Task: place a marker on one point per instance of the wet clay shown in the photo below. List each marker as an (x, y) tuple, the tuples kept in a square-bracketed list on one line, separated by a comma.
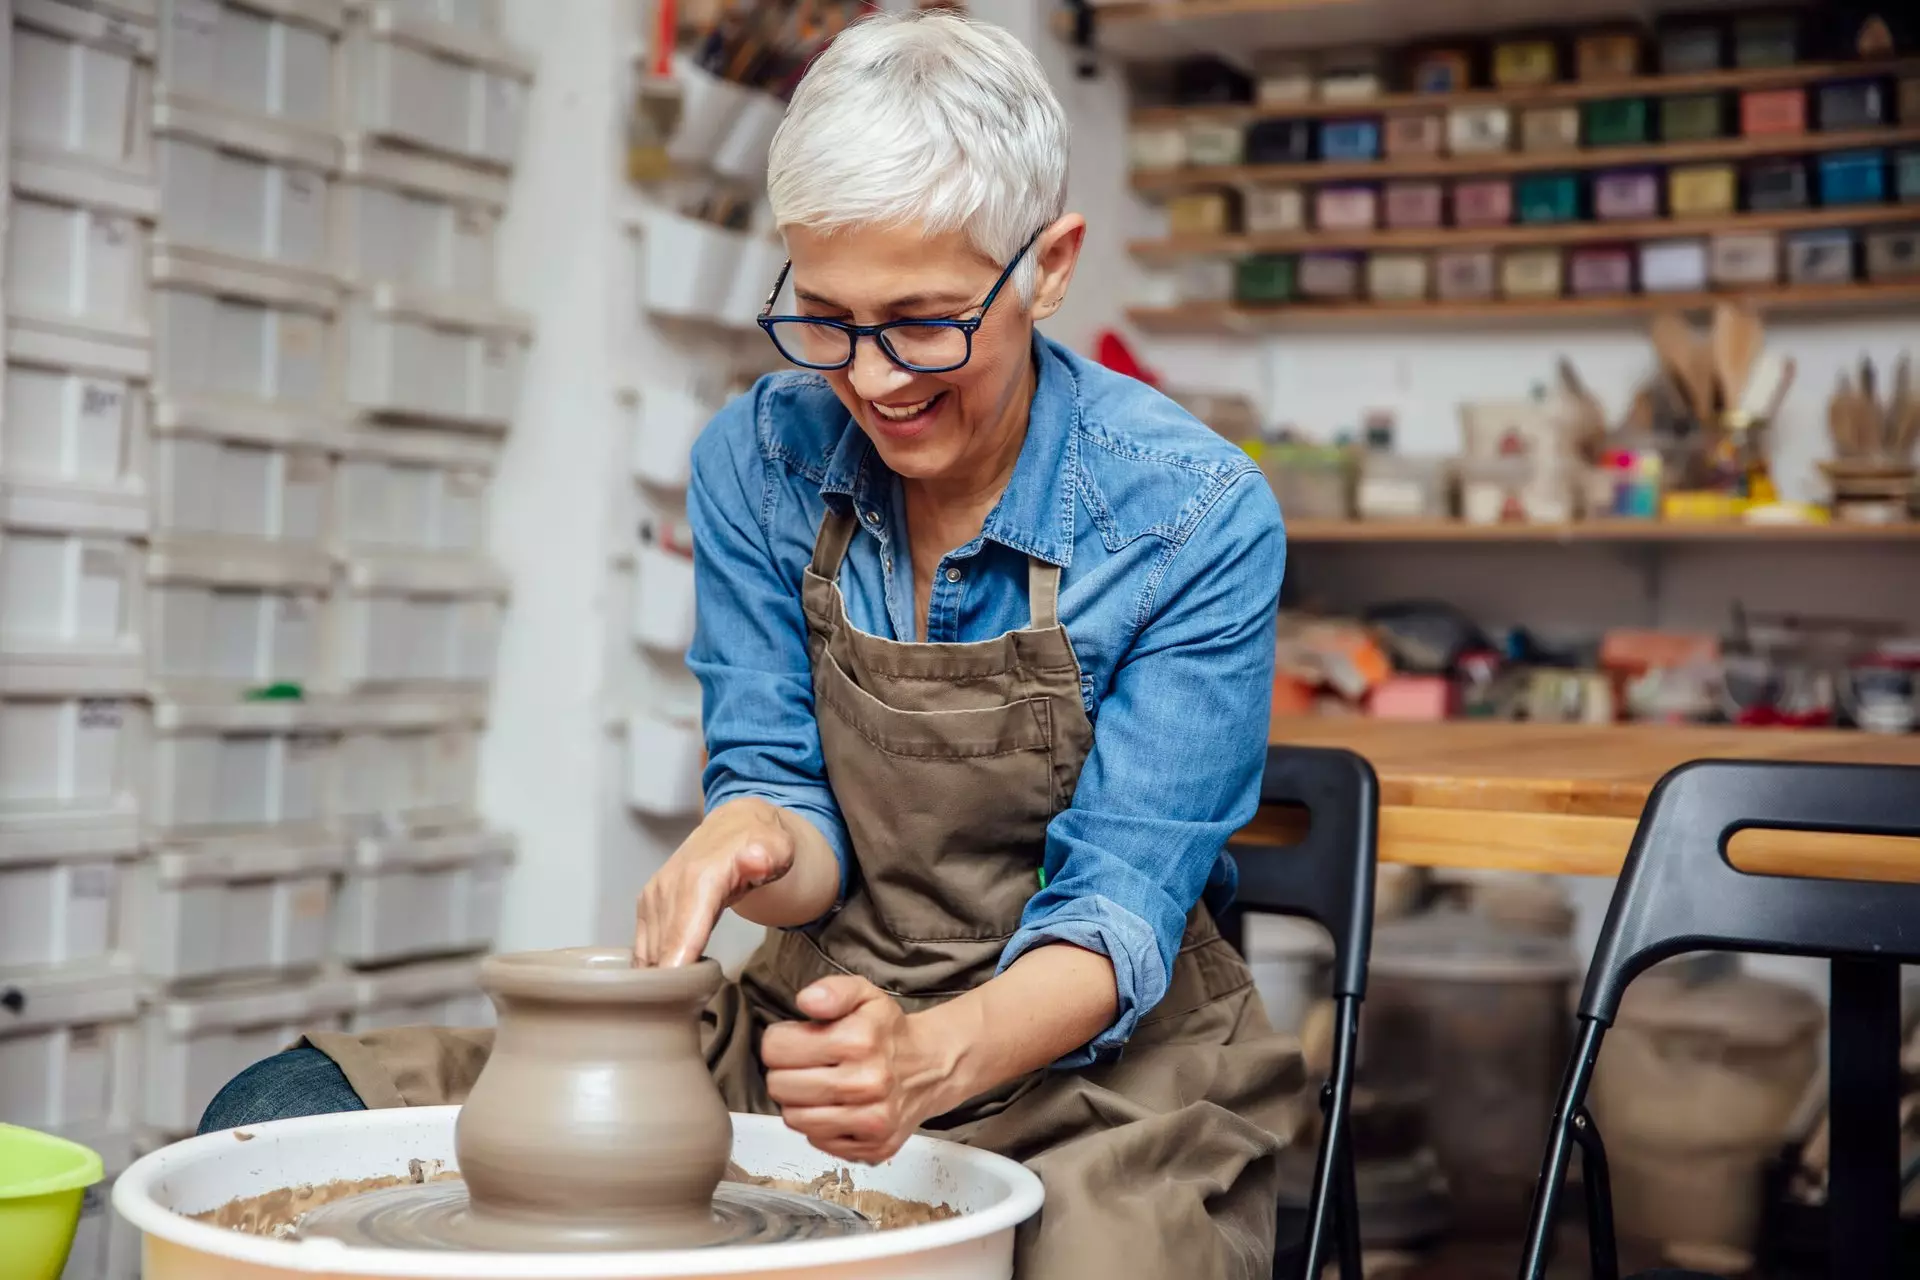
[(885, 1212), (276, 1212)]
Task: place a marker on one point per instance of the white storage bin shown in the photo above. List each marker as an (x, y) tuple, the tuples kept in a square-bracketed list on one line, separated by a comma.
[(742, 152), (69, 1048), (421, 896), (271, 58), (248, 482), (227, 909), (81, 77), (687, 267), (223, 623), (74, 420), (663, 765), (407, 765), (709, 109), (69, 779), (240, 768), (412, 491), (471, 15), (451, 361), (424, 622), (450, 89), (758, 266), (70, 603), (437, 993), (663, 603), (77, 241), (421, 222), (665, 421), (105, 1245), (193, 1046), (241, 336), (63, 906), (251, 190)]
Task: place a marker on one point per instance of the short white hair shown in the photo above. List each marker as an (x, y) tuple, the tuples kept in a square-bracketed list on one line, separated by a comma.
[(924, 118)]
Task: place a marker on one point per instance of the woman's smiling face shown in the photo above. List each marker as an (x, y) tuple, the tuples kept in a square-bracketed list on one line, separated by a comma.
[(929, 426)]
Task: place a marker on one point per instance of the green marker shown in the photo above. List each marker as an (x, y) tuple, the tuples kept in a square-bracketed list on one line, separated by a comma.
[(1041, 876)]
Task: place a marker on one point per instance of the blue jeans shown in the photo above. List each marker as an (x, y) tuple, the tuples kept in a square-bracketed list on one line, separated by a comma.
[(298, 1082)]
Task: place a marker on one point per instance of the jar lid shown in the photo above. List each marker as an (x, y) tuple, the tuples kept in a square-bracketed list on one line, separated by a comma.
[(1742, 1008), (1455, 946)]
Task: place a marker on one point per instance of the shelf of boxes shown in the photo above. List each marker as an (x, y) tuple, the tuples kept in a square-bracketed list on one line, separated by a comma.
[(456, 90), (412, 896), (438, 993), (105, 1245)]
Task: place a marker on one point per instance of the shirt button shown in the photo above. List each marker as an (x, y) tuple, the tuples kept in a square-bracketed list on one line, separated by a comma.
[(953, 575), (873, 517)]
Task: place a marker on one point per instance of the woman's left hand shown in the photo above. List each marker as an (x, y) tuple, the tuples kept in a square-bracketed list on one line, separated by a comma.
[(856, 1081)]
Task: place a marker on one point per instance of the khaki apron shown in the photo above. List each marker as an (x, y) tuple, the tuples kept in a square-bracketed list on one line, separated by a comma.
[(947, 762)]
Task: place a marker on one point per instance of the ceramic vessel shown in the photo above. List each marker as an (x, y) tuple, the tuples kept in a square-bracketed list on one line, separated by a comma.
[(595, 1121)]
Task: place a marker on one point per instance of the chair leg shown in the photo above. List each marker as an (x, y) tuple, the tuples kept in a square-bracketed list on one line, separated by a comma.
[(1863, 1188), (1602, 1253), (1553, 1169), (1335, 1192)]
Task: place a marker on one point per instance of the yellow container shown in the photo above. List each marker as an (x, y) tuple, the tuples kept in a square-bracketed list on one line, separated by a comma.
[(42, 1179), (1701, 190), (1521, 63)]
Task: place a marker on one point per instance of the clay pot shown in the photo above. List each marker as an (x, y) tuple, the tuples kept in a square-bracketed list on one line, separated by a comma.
[(595, 1124)]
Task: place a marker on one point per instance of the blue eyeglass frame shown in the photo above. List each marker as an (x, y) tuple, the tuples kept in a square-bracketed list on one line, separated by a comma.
[(878, 332)]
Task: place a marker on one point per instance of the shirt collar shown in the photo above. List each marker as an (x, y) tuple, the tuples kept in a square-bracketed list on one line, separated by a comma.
[(1035, 512)]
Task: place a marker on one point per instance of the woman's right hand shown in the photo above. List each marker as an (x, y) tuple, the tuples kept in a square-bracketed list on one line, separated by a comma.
[(741, 846)]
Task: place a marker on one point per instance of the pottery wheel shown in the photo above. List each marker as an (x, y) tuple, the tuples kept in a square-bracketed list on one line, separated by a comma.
[(434, 1215)]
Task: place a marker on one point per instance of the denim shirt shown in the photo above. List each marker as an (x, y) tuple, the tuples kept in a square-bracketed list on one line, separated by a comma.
[(1171, 550)]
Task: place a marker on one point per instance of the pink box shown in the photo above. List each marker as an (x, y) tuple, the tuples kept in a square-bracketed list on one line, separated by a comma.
[(1415, 204), (1346, 208), (1601, 270), (1483, 203)]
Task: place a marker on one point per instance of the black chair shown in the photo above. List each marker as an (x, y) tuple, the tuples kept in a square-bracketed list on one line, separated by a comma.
[(1679, 893), (1327, 878)]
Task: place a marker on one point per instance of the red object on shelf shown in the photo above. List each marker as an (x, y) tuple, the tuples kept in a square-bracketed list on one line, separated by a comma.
[(1111, 350)]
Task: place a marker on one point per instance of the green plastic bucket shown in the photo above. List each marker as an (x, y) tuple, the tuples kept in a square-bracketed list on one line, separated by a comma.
[(42, 1179)]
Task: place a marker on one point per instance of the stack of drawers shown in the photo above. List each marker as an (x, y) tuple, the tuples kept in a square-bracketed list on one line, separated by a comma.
[(256, 377)]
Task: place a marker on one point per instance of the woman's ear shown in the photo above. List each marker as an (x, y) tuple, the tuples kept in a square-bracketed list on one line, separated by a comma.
[(1056, 253)]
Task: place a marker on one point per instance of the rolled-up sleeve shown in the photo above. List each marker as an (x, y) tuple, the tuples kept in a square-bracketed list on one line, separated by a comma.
[(1178, 749), (749, 647)]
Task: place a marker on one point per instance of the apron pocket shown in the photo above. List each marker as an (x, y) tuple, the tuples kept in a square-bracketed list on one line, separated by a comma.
[(972, 732)]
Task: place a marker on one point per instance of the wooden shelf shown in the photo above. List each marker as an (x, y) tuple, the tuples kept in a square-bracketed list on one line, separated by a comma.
[(1170, 181), (1564, 233), (1226, 319), (1589, 532), (1559, 94)]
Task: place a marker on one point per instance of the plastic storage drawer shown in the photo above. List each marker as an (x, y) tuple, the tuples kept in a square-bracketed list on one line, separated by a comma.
[(226, 624), (412, 491), (437, 87), (449, 361), (252, 191), (81, 77), (407, 766), (265, 58), (252, 482), (241, 335), (70, 600), (239, 768), (421, 896), (63, 906), (227, 910), (421, 222), (195, 1045), (69, 776), (77, 249), (437, 993), (69, 1048), (471, 15), (73, 421), (105, 1245), (425, 622)]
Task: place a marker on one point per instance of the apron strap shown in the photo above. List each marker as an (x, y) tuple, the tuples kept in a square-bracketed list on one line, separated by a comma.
[(830, 546), (1043, 593)]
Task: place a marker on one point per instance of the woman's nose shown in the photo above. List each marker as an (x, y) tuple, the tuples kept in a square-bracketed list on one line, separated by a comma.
[(872, 374)]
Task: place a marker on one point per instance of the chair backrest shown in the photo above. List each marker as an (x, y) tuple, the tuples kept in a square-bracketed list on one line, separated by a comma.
[(1328, 876), (1678, 892)]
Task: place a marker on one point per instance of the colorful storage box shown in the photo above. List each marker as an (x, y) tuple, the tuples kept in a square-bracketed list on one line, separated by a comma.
[(1893, 253), (1854, 104), (1350, 140), (1415, 205), (1279, 142), (1692, 117), (1204, 280), (1701, 190), (1520, 64), (1600, 271), (1766, 113), (1205, 81), (1264, 279), (1626, 195), (1161, 146), (1274, 209), (1820, 257), (1204, 213), (1909, 95), (1464, 275), (1330, 277), (1442, 71), (1906, 176), (1607, 55), (1853, 177), (1673, 266), (1766, 40), (1547, 197), (1615, 122), (1346, 208), (1689, 47), (1421, 135), (1214, 143), (1399, 277), (1775, 186), (1550, 129), (1483, 202), (1744, 258), (1351, 75), (1479, 130), (1282, 79), (1532, 273)]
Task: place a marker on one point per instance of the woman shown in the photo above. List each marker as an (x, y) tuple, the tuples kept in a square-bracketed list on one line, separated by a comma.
[(986, 641)]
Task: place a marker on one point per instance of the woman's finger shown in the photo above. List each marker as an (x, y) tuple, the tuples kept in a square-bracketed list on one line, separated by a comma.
[(854, 1126), (849, 1086)]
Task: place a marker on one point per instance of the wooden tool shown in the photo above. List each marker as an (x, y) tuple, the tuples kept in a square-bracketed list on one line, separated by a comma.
[(1737, 338), (1688, 361)]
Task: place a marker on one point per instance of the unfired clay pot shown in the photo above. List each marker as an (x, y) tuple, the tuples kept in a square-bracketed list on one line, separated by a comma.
[(595, 1122)]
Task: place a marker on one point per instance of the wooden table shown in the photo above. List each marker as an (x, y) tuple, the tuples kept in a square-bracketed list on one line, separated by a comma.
[(1566, 798)]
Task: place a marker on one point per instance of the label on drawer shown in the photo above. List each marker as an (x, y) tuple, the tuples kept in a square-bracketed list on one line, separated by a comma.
[(101, 399), (93, 882), (100, 713), (85, 1037), (310, 901), (497, 351), (113, 228), (301, 186), (102, 562), (306, 468), (298, 336)]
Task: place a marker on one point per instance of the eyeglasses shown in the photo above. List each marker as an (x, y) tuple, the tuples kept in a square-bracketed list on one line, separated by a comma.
[(918, 346)]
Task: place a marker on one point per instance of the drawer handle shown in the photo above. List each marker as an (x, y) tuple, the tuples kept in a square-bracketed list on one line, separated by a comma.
[(13, 1000)]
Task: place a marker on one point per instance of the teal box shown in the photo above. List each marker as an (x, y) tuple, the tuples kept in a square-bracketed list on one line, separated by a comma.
[(1547, 197)]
